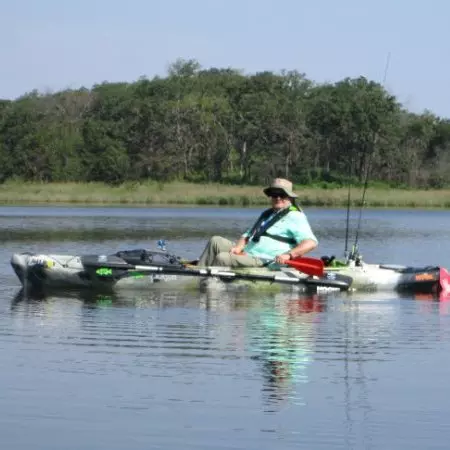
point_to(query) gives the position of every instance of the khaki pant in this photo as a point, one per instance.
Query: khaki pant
(217, 253)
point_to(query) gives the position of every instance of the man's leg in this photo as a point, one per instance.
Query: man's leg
(215, 246)
(235, 261)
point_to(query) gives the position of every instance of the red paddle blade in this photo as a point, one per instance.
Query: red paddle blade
(444, 281)
(310, 266)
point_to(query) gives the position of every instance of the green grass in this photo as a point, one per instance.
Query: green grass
(181, 193)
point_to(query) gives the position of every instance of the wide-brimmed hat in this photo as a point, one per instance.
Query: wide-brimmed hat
(280, 185)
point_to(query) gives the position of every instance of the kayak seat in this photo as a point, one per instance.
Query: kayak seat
(149, 257)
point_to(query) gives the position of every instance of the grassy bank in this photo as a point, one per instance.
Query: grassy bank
(178, 193)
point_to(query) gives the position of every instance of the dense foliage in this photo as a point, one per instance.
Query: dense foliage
(221, 125)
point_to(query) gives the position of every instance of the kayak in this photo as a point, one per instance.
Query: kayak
(144, 269)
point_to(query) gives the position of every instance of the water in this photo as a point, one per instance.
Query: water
(173, 369)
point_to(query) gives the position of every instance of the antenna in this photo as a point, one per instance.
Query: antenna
(386, 68)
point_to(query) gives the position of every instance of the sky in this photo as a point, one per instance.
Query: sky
(51, 45)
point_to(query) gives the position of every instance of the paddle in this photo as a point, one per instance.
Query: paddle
(308, 265)
(119, 269)
(305, 264)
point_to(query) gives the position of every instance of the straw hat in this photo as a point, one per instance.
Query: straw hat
(280, 184)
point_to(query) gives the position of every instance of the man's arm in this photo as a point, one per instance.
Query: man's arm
(301, 249)
(239, 247)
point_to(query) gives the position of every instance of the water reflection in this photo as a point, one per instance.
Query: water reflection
(284, 335)
(32, 300)
(316, 367)
(281, 333)
(276, 332)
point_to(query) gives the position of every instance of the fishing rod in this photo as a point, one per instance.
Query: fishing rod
(347, 226)
(354, 254)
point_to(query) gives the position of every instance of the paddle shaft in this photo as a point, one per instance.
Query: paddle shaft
(339, 282)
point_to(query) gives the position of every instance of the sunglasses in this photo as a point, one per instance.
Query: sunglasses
(282, 196)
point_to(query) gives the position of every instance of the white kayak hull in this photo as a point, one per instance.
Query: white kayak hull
(40, 271)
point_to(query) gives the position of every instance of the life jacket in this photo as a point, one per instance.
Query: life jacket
(261, 226)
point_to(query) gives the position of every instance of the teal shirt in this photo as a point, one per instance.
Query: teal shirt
(293, 225)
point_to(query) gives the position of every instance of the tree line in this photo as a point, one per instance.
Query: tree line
(220, 125)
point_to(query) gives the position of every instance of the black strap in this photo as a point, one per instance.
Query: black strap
(265, 214)
(280, 238)
(257, 231)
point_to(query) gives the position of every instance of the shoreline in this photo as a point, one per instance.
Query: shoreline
(182, 194)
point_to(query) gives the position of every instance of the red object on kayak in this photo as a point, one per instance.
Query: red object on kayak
(444, 281)
(310, 266)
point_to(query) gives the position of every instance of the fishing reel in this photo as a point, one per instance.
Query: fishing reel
(328, 260)
(355, 258)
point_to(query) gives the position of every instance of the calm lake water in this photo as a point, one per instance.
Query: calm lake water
(178, 370)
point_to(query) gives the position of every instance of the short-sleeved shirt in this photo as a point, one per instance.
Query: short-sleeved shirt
(294, 225)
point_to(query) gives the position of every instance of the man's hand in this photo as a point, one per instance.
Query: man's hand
(281, 259)
(236, 250)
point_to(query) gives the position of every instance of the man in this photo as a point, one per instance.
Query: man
(281, 233)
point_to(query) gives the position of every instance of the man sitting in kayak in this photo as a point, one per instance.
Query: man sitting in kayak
(281, 233)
